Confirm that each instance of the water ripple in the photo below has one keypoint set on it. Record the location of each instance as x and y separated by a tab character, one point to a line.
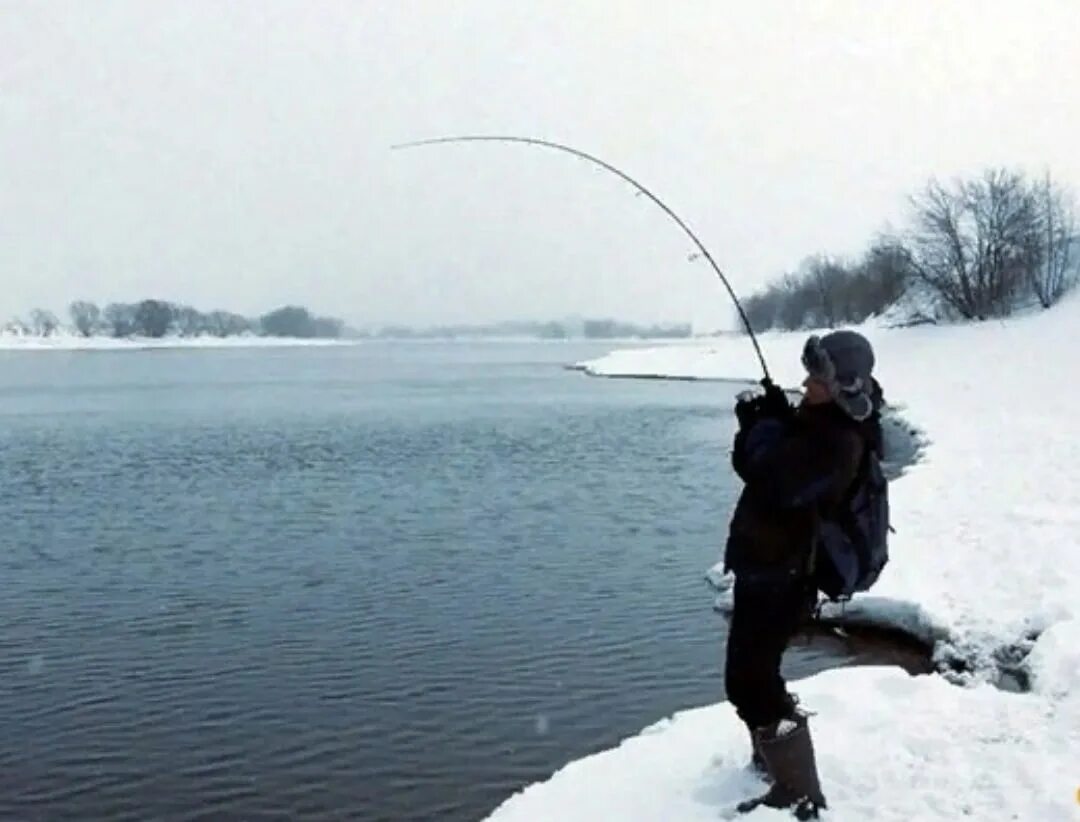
342	584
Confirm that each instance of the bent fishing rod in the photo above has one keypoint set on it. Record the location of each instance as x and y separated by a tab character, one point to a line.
534	141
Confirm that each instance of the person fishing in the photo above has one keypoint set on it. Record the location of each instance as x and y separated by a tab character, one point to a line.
798	465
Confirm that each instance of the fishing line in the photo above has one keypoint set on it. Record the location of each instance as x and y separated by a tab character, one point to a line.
478	138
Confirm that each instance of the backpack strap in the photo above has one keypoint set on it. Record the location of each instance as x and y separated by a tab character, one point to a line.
841	511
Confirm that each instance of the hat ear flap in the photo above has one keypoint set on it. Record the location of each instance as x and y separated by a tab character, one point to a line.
857	406
817	362
852	386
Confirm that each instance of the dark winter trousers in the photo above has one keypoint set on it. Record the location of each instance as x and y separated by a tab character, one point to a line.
768	611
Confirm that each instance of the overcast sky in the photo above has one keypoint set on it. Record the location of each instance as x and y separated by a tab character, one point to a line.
236	155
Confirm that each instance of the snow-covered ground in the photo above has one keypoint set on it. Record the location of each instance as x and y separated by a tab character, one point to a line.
985	567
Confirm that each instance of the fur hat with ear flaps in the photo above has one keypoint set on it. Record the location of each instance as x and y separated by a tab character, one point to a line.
844	361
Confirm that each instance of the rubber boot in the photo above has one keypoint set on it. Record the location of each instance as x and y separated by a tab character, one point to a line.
788	752
757	761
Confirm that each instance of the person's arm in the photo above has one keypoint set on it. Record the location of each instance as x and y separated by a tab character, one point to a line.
791	469
738	455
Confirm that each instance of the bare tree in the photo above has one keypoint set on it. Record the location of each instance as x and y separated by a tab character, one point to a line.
120	318
85	316
226	324
827	280
296	321
829	292
941	252
43	323
975	243
881	278
1059	244
762	309
189	322
796	303
16	327
153	318
1004	211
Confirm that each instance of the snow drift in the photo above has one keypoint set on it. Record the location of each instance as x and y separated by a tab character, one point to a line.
985	568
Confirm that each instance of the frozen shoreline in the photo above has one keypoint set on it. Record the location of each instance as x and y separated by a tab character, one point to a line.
985	568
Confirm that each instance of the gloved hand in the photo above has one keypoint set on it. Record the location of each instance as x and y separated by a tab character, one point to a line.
775	402
748	409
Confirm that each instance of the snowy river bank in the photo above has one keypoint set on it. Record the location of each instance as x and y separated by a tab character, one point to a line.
985	571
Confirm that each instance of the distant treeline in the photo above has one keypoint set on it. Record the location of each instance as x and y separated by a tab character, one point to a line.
160	318
827	292
974	249
550	330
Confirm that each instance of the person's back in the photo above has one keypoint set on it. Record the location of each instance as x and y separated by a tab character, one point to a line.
792	469
798	465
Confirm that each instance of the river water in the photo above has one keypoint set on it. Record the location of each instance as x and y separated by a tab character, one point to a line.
383	581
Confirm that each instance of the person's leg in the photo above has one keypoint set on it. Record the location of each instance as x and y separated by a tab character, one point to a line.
746	671
790	610
762	621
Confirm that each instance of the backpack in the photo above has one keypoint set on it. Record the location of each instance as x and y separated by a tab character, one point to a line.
852	543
